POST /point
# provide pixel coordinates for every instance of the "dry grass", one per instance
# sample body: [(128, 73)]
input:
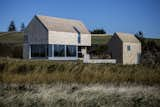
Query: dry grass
[(42, 83), (11, 37), (43, 71), (77, 95)]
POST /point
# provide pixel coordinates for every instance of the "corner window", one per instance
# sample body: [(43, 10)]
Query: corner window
[(59, 50), (79, 38), (39, 50), (71, 51), (129, 48)]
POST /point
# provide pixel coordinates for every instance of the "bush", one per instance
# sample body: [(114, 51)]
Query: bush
[(11, 50), (98, 31), (148, 58), (99, 51), (150, 53)]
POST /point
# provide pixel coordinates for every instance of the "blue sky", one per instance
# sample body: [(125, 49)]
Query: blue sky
[(112, 15)]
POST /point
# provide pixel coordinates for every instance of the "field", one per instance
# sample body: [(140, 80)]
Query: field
[(43, 71), (11, 44), (12, 37), (45, 83), (100, 39)]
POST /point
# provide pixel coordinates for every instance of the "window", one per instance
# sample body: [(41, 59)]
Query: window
[(128, 47), (79, 34), (59, 50), (79, 38), (71, 51), (39, 50)]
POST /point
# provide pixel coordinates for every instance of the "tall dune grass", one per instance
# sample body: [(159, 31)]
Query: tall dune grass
[(43, 71), (77, 95)]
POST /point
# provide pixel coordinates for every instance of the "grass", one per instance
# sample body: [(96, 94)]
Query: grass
[(100, 39), (11, 37), (157, 41), (37, 71), (77, 95), (13, 50)]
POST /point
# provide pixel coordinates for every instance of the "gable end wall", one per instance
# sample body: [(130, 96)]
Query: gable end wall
[(36, 32)]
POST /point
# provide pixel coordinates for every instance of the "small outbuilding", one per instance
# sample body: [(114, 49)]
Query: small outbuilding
[(125, 48)]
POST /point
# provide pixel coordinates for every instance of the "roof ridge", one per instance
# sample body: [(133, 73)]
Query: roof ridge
[(126, 37), (67, 19)]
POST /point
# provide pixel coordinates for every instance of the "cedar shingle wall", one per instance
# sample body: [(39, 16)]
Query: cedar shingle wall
[(37, 33), (115, 48), (130, 57), (68, 38)]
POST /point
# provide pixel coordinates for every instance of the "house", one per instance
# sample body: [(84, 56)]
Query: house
[(125, 48), (55, 39)]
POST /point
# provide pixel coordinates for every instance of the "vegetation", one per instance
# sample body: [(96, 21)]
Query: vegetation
[(150, 50), (99, 51), (22, 27), (36, 71), (98, 31), (11, 50), (11, 37), (78, 95), (100, 39), (12, 26), (11, 44)]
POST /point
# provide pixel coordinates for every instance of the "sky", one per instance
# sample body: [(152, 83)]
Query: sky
[(128, 16)]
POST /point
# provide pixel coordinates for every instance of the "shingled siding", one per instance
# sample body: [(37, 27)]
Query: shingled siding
[(36, 32), (68, 38), (132, 56), (115, 49)]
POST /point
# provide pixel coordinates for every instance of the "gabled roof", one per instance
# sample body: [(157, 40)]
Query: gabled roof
[(126, 37), (62, 25)]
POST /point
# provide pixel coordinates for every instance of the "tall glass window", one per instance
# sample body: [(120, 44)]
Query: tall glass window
[(79, 34), (71, 51), (59, 50), (39, 50), (79, 38)]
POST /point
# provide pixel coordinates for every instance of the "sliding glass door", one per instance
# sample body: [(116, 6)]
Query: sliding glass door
[(71, 51), (39, 50), (53, 51), (59, 50)]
